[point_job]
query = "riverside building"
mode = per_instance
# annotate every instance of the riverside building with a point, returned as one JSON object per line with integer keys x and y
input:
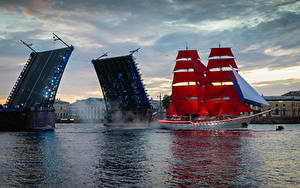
{"x": 283, "y": 106}
{"x": 285, "y": 109}
{"x": 87, "y": 110}
{"x": 61, "y": 109}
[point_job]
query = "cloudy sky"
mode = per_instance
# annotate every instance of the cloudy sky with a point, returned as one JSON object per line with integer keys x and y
{"x": 264, "y": 36}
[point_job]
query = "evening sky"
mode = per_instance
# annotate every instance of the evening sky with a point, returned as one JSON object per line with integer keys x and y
{"x": 264, "y": 36}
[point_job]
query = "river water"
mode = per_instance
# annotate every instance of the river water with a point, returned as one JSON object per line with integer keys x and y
{"x": 91, "y": 155}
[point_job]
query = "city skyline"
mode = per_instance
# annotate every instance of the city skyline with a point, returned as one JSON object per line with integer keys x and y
{"x": 264, "y": 37}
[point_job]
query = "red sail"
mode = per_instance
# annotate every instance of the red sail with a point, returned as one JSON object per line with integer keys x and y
{"x": 201, "y": 100}
{"x": 190, "y": 64}
{"x": 239, "y": 106}
{"x": 218, "y": 99}
{"x": 215, "y": 92}
{"x": 185, "y": 77}
{"x": 216, "y": 63}
{"x": 186, "y": 107}
{"x": 198, "y": 66}
{"x": 220, "y": 107}
{"x": 226, "y": 107}
{"x": 183, "y": 92}
{"x": 183, "y": 65}
{"x": 222, "y": 99}
{"x": 213, "y": 107}
{"x": 220, "y": 52}
{"x": 188, "y": 99}
{"x": 187, "y": 54}
{"x": 191, "y": 56}
{"x": 171, "y": 111}
{"x": 219, "y": 76}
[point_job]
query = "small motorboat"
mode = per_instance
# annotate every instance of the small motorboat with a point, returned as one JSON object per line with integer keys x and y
{"x": 279, "y": 127}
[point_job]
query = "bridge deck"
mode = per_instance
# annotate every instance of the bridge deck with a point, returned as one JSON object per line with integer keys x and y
{"x": 38, "y": 82}
{"x": 121, "y": 85}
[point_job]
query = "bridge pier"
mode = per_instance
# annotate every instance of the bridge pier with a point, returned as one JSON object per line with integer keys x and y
{"x": 27, "y": 119}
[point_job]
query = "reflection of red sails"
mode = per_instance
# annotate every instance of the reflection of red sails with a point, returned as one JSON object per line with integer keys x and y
{"x": 206, "y": 158}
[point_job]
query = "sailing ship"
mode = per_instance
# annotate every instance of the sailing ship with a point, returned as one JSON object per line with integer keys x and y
{"x": 210, "y": 97}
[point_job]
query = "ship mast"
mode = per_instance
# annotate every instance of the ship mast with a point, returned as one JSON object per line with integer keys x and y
{"x": 186, "y": 48}
{"x": 220, "y": 67}
{"x": 222, "y": 98}
{"x": 187, "y": 98}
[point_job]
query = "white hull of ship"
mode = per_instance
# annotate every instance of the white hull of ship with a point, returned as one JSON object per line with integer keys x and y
{"x": 227, "y": 124}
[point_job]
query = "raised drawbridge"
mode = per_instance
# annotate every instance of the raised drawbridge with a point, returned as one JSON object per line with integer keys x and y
{"x": 32, "y": 97}
{"x": 123, "y": 90}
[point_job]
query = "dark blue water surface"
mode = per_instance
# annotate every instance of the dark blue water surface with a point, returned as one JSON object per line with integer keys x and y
{"x": 90, "y": 155}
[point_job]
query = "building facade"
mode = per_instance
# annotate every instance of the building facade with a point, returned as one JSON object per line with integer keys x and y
{"x": 156, "y": 104}
{"x": 283, "y": 106}
{"x": 61, "y": 109}
{"x": 88, "y": 110}
{"x": 292, "y": 93}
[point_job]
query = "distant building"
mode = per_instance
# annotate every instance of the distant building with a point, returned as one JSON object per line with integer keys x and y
{"x": 156, "y": 104}
{"x": 283, "y": 106}
{"x": 88, "y": 110}
{"x": 61, "y": 109}
{"x": 292, "y": 93}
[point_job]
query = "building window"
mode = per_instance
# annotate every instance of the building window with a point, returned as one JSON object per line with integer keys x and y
{"x": 294, "y": 112}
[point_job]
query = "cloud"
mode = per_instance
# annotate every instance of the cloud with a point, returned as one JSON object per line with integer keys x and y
{"x": 266, "y": 74}
{"x": 263, "y": 36}
{"x": 277, "y": 87}
{"x": 209, "y": 25}
{"x": 278, "y": 51}
{"x": 252, "y": 47}
{"x": 285, "y": 82}
{"x": 293, "y": 7}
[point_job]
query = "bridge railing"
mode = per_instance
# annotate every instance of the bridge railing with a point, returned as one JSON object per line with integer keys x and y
{"x": 21, "y": 76}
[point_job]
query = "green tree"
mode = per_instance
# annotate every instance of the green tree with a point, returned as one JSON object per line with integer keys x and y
{"x": 166, "y": 101}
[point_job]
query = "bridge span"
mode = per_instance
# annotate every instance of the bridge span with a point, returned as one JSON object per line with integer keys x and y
{"x": 30, "y": 102}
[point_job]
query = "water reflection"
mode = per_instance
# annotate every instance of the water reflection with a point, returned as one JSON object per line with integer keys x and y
{"x": 122, "y": 160}
{"x": 23, "y": 163}
{"x": 90, "y": 155}
{"x": 207, "y": 158}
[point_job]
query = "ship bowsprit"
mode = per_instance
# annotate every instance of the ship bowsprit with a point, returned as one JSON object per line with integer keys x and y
{"x": 124, "y": 93}
{"x": 30, "y": 102}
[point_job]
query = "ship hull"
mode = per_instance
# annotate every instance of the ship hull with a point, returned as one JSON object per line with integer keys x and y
{"x": 227, "y": 124}
{"x": 208, "y": 125}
